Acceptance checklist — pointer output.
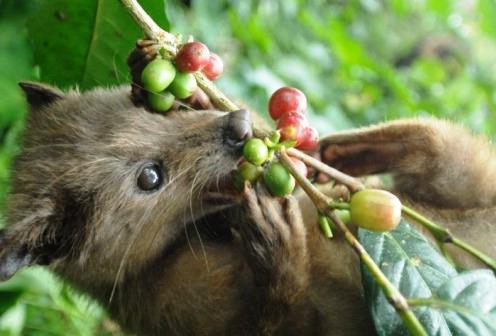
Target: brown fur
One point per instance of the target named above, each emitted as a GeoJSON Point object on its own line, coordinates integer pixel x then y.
{"type": "Point", "coordinates": [171, 262]}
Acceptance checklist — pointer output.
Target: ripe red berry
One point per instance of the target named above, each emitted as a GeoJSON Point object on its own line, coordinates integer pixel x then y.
{"type": "Point", "coordinates": [192, 57]}
{"type": "Point", "coordinates": [287, 99]}
{"type": "Point", "coordinates": [300, 166]}
{"type": "Point", "coordinates": [292, 126]}
{"type": "Point", "coordinates": [310, 139]}
{"type": "Point", "coordinates": [214, 68]}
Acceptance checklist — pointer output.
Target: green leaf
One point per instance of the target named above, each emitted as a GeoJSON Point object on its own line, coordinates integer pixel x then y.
{"type": "Point", "coordinates": [410, 262]}
{"type": "Point", "coordinates": [86, 42]}
{"type": "Point", "coordinates": [487, 12]}
{"type": "Point", "coordinates": [415, 267]}
{"type": "Point", "coordinates": [468, 303]}
{"type": "Point", "coordinates": [9, 298]}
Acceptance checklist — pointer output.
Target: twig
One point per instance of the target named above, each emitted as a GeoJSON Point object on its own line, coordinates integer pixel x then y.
{"type": "Point", "coordinates": [349, 181]}
{"type": "Point", "coordinates": [441, 234]}
{"type": "Point", "coordinates": [170, 44]}
{"type": "Point", "coordinates": [392, 293]}
{"type": "Point", "coordinates": [149, 27]}
{"type": "Point", "coordinates": [445, 236]}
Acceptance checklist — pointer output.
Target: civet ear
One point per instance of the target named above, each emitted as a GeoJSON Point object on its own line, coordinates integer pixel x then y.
{"type": "Point", "coordinates": [39, 95]}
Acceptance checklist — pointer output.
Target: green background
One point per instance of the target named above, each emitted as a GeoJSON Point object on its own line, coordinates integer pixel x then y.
{"type": "Point", "coordinates": [358, 62]}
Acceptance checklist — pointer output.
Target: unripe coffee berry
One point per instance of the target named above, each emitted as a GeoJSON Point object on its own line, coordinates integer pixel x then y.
{"type": "Point", "coordinates": [375, 210]}
{"type": "Point", "coordinates": [183, 86]}
{"type": "Point", "coordinates": [192, 57]}
{"type": "Point", "coordinates": [287, 99]}
{"type": "Point", "coordinates": [246, 172]}
{"type": "Point", "coordinates": [157, 75]}
{"type": "Point", "coordinates": [161, 102]}
{"type": "Point", "coordinates": [255, 151]}
{"type": "Point", "coordinates": [278, 180]}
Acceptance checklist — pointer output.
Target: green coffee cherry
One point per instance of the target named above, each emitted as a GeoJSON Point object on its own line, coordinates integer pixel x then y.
{"type": "Point", "coordinates": [183, 85]}
{"type": "Point", "coordinates": [246, 172]}
{"type": "Point", "coordinates": [375, 210]}
{"type": "Point", "coordinates": [278, 180]}
{"type": "Point", "coordinates": [161, 102]}
{"type": "Point", "coordinates": [157, 75]}
{"type": "Point", "coordinates": [255, 151]}
{"type": "Point", "coordinates": [344, 215]}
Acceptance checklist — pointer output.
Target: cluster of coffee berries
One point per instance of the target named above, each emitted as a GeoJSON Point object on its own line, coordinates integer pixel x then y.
{"type": "Point", "coordinates": [260, 162]}
{"type": "Point", "coordinates": [164, 81]}
{"type": "Point", "coordinates": [287, 107]}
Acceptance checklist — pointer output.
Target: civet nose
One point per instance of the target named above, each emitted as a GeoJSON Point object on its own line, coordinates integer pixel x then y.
{"type": "Point", "coordinates": [238, 128]}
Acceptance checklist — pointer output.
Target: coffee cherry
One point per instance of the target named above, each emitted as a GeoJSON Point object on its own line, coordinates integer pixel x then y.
{"type": "Point", "coordinates": [157, 75]}
{"type": "Point", "coordinates": [300, 166]}
{"type": "Point", "coordinates": [375, 210]}
{"type": "Point", "coordinates": [161, 102]}
{"type": "Point", "coordinates": [278, 180]}
{"type": "Point", "coordinates": [310, 139]}
{"type": "Point", "coordinates": [183, 86]}
{"type": "Point", "coordinates": [344, 215]}
{"type": "Point", "coordinates": [192, 57]}
{"type": "Point", "coordinates": [246, 172]}
{"type": "Point", "coordinates": [286, 99]}
{"type": "Point", "coordinates": [214, 68]}
{"type": "Point", "coordinates": [292, 126]}
{"type": "Point", "coordinates": [255, 151]}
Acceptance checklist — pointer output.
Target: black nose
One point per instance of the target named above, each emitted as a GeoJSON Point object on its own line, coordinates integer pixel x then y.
{"type": "Point", "coordinates": [238, 128]}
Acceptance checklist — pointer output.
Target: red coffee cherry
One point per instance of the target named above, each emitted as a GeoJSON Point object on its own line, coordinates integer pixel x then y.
{"type": "Point", "coordinates": [310, 139]}
{"type": "Point", "coordinates": [292, 126]}
{"type": "Point", "coordinates": [287, 99]}
{"type": "Point", "coordinates": [192, 57]}
{"type": "Point", "coordinates": [214, 68]}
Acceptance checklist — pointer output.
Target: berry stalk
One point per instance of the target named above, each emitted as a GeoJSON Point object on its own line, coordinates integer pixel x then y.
{"type": "Point", "coordinates": [352, 183]}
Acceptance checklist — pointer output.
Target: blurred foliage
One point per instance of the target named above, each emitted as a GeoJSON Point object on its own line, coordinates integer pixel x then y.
{"type": "Point", "coordinates": [358, 61]}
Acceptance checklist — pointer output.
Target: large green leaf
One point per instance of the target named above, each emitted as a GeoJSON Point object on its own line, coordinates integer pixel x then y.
{"type": "Point", "coordinates": [8, 299]}
{"type": "Point", "coordinates": [468, 303]}
{"type": "Point", "coordinates": [86, 42]}
{"type": "Point", "coordinates": [413, 266]}
{"type": "Point", "coordinates": [416, 268]}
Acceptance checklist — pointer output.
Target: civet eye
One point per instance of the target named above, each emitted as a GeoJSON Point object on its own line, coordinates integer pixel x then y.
{"type": "Point", "coordinates": [150, 177]}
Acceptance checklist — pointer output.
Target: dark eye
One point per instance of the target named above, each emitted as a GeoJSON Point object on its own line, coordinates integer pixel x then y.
{"type": "Point", "coordinates": [150, 177]}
